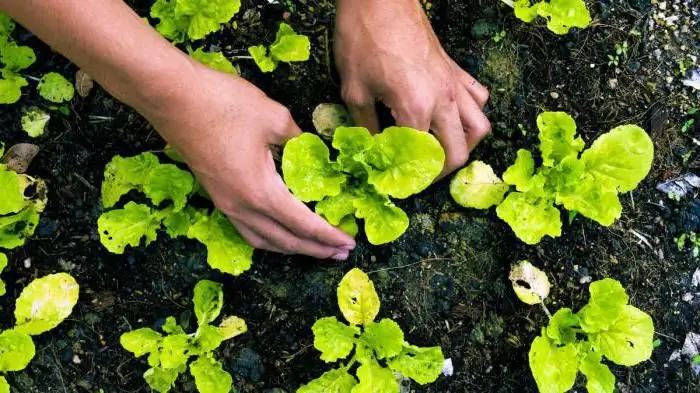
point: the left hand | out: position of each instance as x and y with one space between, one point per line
387 51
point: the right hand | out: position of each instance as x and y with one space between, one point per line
224 127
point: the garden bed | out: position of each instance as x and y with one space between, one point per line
446 280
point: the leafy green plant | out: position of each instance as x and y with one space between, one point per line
619 54
3 265
34 121
180 20
288 47
379 347
607 328
41 306
398 162
118 228
13 59
214 60
561 15
588 183
55 88
170 353
692 239
23 200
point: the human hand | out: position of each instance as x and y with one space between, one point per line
224 127
387 51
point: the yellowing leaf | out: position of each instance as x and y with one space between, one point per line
232 326
16 350
478 187
34 121
45 303
357 298
530 284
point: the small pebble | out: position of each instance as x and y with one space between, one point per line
554 95
28 263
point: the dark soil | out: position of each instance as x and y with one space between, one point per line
445 281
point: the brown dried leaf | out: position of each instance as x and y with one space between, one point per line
83 83
19 156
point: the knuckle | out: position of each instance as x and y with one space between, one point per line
419 106
482 126
292 244
353 96
283 119
455 161
255 242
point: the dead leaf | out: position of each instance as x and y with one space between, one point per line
19 156
529 283
83 83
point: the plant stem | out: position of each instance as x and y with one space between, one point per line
546 310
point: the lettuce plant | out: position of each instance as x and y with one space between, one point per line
587 183
34 121
607 328
561 15
41 306
170 353
214 60
192 19
398 162
13 59
288 47
55 88
19 213
379 347
118 228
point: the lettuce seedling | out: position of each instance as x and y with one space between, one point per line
605 328
561 15
41 306
398 162
55 88
118 228
192 19
288 47
379 347
13 59
214 60
34 121
19 213
170 353
587 183
3 265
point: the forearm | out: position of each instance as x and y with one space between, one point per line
111 43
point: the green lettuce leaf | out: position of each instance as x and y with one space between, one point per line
141 341
45 303
171 327
167 181
608 298
562 15
562 327
231 327
12 188
16 57
34 121
3 265
125 174
620 159
385 338
403 161
357 298
7 26
227 251
557 137
530 218
593 201
384 221
177 223
478 187
209 376
16 350
121 227
520 173
335 208
160 379
208 301
170 26
599 378
176 349
214 60
334 381
207 339
630 340
553 367
349 226
375 379
11 87
307 169
290 46
16 228
205 16
335 340
55 88
260 56
422 365
4 386
350 141
525 10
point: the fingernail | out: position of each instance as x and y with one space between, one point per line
347 248
341 256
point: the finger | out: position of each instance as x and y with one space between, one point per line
479 92
447 126
361 105
281 238
415 113
282 126
475 124
300 220
256 240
